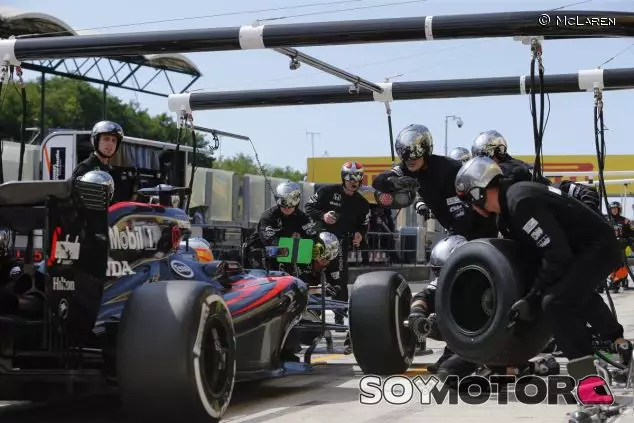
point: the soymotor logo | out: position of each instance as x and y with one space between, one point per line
476 390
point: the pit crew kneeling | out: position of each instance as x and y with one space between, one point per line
422 312
577 247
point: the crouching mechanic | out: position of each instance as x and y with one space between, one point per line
577 247
423 303
284 219
493 145
325 250
341 209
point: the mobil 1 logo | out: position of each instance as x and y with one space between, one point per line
137 238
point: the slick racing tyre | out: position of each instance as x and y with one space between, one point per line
176 353
379 306
479 283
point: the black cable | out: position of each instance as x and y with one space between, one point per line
194 158
23 128
388 110
538 129
3 75
599 141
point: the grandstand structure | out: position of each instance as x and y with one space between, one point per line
139 73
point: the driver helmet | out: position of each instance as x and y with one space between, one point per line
414 142
352 171
461 154
442 250
474 177
616 205
288 194
199 247
489 144
326 247
99 177
106 127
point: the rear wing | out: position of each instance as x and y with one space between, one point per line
73 218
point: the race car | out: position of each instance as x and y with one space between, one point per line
109 303
144 244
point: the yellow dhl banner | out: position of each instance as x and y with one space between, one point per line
327 169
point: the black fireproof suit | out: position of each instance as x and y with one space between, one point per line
578 250
353 215
437 189
272 226
515 170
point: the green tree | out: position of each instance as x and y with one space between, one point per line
72 104
244 164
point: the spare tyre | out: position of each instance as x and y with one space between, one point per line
379 306
476 289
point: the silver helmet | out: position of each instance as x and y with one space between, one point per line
474 177
489 144
461 154
99 177
414 142
331 245
443 249
288 194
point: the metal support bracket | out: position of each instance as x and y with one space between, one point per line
527 40
251 37
296 55
178 103
386 95
7 52
591 79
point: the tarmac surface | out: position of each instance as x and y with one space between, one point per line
330 394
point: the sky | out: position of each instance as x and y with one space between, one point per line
360 129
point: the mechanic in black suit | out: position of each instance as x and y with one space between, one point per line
341 209
578 250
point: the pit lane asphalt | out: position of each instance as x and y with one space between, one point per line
330 394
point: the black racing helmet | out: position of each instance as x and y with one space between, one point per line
474 177
414 142
106 127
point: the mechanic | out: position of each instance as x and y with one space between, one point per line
433 177
325 250
284 219
423 303
106 139
578 249
461 154
341 210
493 145
622 225
625 235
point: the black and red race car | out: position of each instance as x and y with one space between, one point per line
109 304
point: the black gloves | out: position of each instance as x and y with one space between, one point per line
423 210
403 182
523 309
418 322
